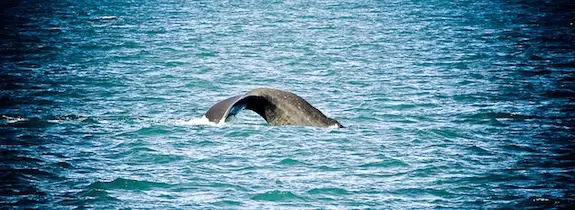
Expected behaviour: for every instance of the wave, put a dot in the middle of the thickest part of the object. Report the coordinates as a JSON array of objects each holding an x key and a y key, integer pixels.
[{"x": 10, "y": 119}]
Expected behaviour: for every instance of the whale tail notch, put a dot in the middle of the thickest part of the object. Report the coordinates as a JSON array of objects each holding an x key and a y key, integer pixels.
[{"x": 231, "y": 106}]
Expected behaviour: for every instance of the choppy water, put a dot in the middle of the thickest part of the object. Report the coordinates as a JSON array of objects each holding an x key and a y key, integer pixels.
[{"x": 447, "y": 104}]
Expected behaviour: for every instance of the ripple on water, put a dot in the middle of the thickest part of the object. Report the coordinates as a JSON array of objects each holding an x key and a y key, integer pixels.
[
  {"x": 156, "y": 157},
  {"x": 291, "y": 162},
  {"x": 492, "y": 118},
  {"x": 277, "y": 195},
  {"x": 89, "y": 197},
  {"x": 127, "y": 184},
  {"x": 477, "y": 150},
  {"x": 227, "y": 203},
  {"x": 418, "y": 192},
  {"x": 197, "y": 184},
  {"x": 389, "y": 163},
  {"x": 97, "y": 195}
]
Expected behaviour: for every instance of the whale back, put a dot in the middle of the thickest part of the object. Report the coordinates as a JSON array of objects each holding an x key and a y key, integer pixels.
[{"x": 286, "y": 108}]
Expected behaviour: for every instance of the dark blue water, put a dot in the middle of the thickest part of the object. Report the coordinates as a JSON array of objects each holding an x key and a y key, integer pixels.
[{"x": 447, "y": 104}]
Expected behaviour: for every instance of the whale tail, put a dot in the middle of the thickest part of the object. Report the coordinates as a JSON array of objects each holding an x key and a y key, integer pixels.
[
  {"x": 231, "y": 106},
  {"x": 277, "y": 107}
]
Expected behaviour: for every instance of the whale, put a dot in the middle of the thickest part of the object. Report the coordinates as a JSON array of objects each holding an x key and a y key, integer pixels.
[{"x": 277, "y": 107}]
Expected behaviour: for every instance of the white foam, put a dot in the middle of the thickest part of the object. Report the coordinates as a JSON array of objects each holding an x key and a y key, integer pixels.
[
  {"x": 199, "y": 121},
  {"x": 107, "y": 17},
  {"x": 67, "y": 119},
  {"x": 333, "y": 126},
  {"x": 14, "y": 119}
]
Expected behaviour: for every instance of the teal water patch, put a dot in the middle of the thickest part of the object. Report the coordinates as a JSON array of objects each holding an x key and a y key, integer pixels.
[
  {"x": 151, "y": 131},
  {"x": 290, "y": 162},
  {"x": 329, "y": 191}
]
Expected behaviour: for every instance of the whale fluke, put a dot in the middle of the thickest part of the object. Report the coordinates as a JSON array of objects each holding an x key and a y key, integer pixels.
[{"x": 277, "y": 107}]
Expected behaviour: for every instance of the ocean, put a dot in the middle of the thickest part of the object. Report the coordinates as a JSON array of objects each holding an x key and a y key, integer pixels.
[{"x": 446, "y": 104}]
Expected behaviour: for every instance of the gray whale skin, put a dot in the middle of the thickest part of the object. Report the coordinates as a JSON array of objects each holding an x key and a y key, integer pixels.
[{"x": 277, "y": 107}]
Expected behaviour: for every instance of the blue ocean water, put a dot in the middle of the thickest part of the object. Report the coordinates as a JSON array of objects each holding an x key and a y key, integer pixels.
[{"x": 447, "y": 104}]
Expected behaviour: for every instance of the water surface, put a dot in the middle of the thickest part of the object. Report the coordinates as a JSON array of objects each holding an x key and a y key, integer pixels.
[{"x": 465, "y": 104}]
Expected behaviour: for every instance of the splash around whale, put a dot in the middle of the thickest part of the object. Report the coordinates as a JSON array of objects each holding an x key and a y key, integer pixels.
[{"x": 277, "y": 107}]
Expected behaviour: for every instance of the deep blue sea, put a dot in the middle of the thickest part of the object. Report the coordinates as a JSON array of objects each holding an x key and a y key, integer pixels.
[{"x": 447, "y": 104}]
